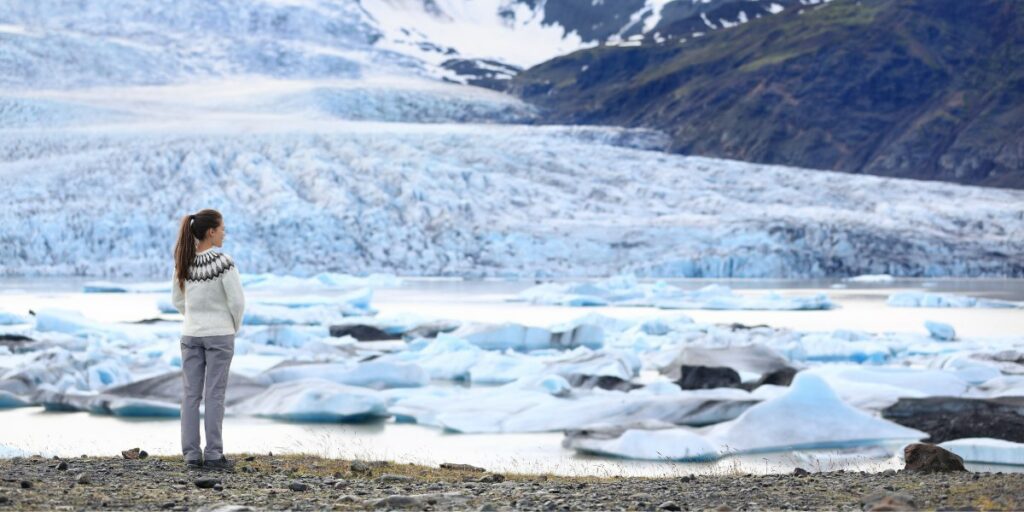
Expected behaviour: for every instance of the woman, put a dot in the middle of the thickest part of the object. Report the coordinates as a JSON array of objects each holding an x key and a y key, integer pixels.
[{"x": 206, "y": 288}]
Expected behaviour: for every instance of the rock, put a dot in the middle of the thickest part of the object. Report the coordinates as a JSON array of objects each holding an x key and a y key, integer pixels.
[
  {"x": 390, "y": 479},
  {"x": 430, "y": 330},
  {"x": 948, "y": 418},
  {"x": 25, "y": 484},
  {"x": 780, "y": 377},
  {"x": 800, "y": 472},
  {"x": 362, "y": 332},
  {"x": 940, "y": 331},
  {"x": 669, "y": 505},
  {"x": 143, "y": 454},
  {"x": 83, "y": 479},
  {"x": 493, "y": 478},
  {"x": 707, "y": 377},
  {"x": 298, "y": 486},
  {"x": 206, "y": 482},
  {"x": 461, "y": 467},
  {"x": 928, "y": 458},
  {"x": 723, "y": 508},
  {"x": 218, "y": 487},
  {"x": 4, "y": 500},
  {"x": 167, "y": 505},
  {"x": 608, "y": 382},
  {"x": 886, "y": 501},
  {"x": 62, "y": 466},
  {"x": 224, "y": 507},
  {"x": 132, "y": 454},
  {"x": 359, "y": 467},
  {"x": 393, "y": 502}
]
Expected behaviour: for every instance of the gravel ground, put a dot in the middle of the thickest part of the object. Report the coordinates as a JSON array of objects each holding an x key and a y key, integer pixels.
[{"x": 313, "y": 483}]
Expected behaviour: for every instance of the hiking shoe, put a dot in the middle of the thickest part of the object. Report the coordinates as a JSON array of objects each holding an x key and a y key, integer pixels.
[
  {"x": 193, "y": 464},
  {"x": 221, "y": 463}
]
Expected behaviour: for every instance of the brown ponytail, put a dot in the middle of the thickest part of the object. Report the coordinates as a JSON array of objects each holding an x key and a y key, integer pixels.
[{"x": 193, "y": 229}]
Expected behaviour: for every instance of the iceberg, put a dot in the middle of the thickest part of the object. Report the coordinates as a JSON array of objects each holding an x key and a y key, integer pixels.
[
  {"x": 810, "y": 415},
  {"x": 940, "y": 331},
  {"x": 320, "y": 281},
  {"x": 370, "y": 374},
  {"x": 9, "y": 318},
  {"x": 986, "y": 450},
  {"x": 532, "y": 405},
  {"x": 111, "y": 287},
  {"x": 870, "y": 278},
  {"x": 678, "y": 444},
  {"x": 875, "y": 388},
  {"x": 314, "y": 400},
  {"x": 10, "y": 400},
  {"x": 526, "y": 338},
  {"x": 945, "y": 300},
  {"x": 445, "y": 357},
  {"x": 626, "y": 291}
]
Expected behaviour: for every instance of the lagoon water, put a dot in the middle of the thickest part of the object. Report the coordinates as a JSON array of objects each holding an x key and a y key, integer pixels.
[{"x": 862, "y": 307}]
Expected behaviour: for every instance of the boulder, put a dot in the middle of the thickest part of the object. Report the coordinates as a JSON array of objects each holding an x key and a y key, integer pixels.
[
  {"x": 929, "y": 458},
  {"x": 948, "y": 418},
  {"x": 707, "y": 377}
]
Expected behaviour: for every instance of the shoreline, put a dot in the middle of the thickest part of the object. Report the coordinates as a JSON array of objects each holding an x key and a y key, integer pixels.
[{"x": 308, "y": 482}]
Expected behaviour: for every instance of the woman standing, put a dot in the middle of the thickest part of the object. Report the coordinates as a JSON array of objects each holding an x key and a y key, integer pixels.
[{"x": 208, "y": 291}]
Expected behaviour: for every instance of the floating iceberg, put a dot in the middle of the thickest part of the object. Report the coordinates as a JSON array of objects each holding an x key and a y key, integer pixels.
[
  {"x": 870, "y": 278},
  {"x": 10, "y": 400},
  {"x": 877, "y": 387},
  {"x": 111, "y": 287},
  {"x": 530, "y": 405},
  {"x": 8, "y": 318},
  {"x": 321, "y": 281},
  {"x": 371, "y": 374},
  {"x": 526, "y": 338},
  {"x": 940, "y": 331},
  {"x": 987, "y": 450},
  {"x": 945, "y": 300},
  {"x": 626, "y": 291},
  {"x": 314, "y": 400},
  {"x": 677, "y": 444},
  {"x": 810, "y": 415}
]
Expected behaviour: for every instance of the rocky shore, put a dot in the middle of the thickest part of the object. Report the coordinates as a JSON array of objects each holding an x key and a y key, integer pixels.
[{"x": 313, "y": 483}]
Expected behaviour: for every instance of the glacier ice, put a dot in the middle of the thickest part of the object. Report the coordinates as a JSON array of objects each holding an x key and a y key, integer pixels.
[
  {"x": 370, "y": 374},
  {"x": 808, "y": 416},
  {"x": 626, "y": 291},
  {"x": 940, "y": 330},
  {"x": 987, "y": 450},
  {"x": 314, "y": 400},
  {"x": 652, "y": 444},
  {"x": 945, "y": 300}
]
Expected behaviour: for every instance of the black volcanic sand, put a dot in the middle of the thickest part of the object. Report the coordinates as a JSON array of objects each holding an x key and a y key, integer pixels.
[{"x": 301, "y": 482}]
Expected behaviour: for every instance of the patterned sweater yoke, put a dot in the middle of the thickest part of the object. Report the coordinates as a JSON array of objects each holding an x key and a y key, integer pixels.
[
  {"x": 212, "y": 302},
  {"x": 209, "y": 266}
]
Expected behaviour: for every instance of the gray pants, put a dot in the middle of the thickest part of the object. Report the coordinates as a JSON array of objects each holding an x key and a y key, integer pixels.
[{"x": 204, "y": 358}]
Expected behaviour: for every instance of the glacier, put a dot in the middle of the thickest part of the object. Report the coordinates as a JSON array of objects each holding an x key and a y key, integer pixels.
[{"x": 462, "y": 200}]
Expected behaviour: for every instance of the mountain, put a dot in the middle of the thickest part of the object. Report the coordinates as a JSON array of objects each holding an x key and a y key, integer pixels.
[
  {"x": 487, "y": 42},
  {"x": 924, "y": 89}
]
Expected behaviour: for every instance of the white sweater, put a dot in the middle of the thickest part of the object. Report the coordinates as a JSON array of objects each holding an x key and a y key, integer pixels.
[{"x": 212, "y": 302}]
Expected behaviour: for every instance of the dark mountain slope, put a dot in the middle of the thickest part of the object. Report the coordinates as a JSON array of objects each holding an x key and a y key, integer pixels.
[{"x": 927, "y": 89}]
